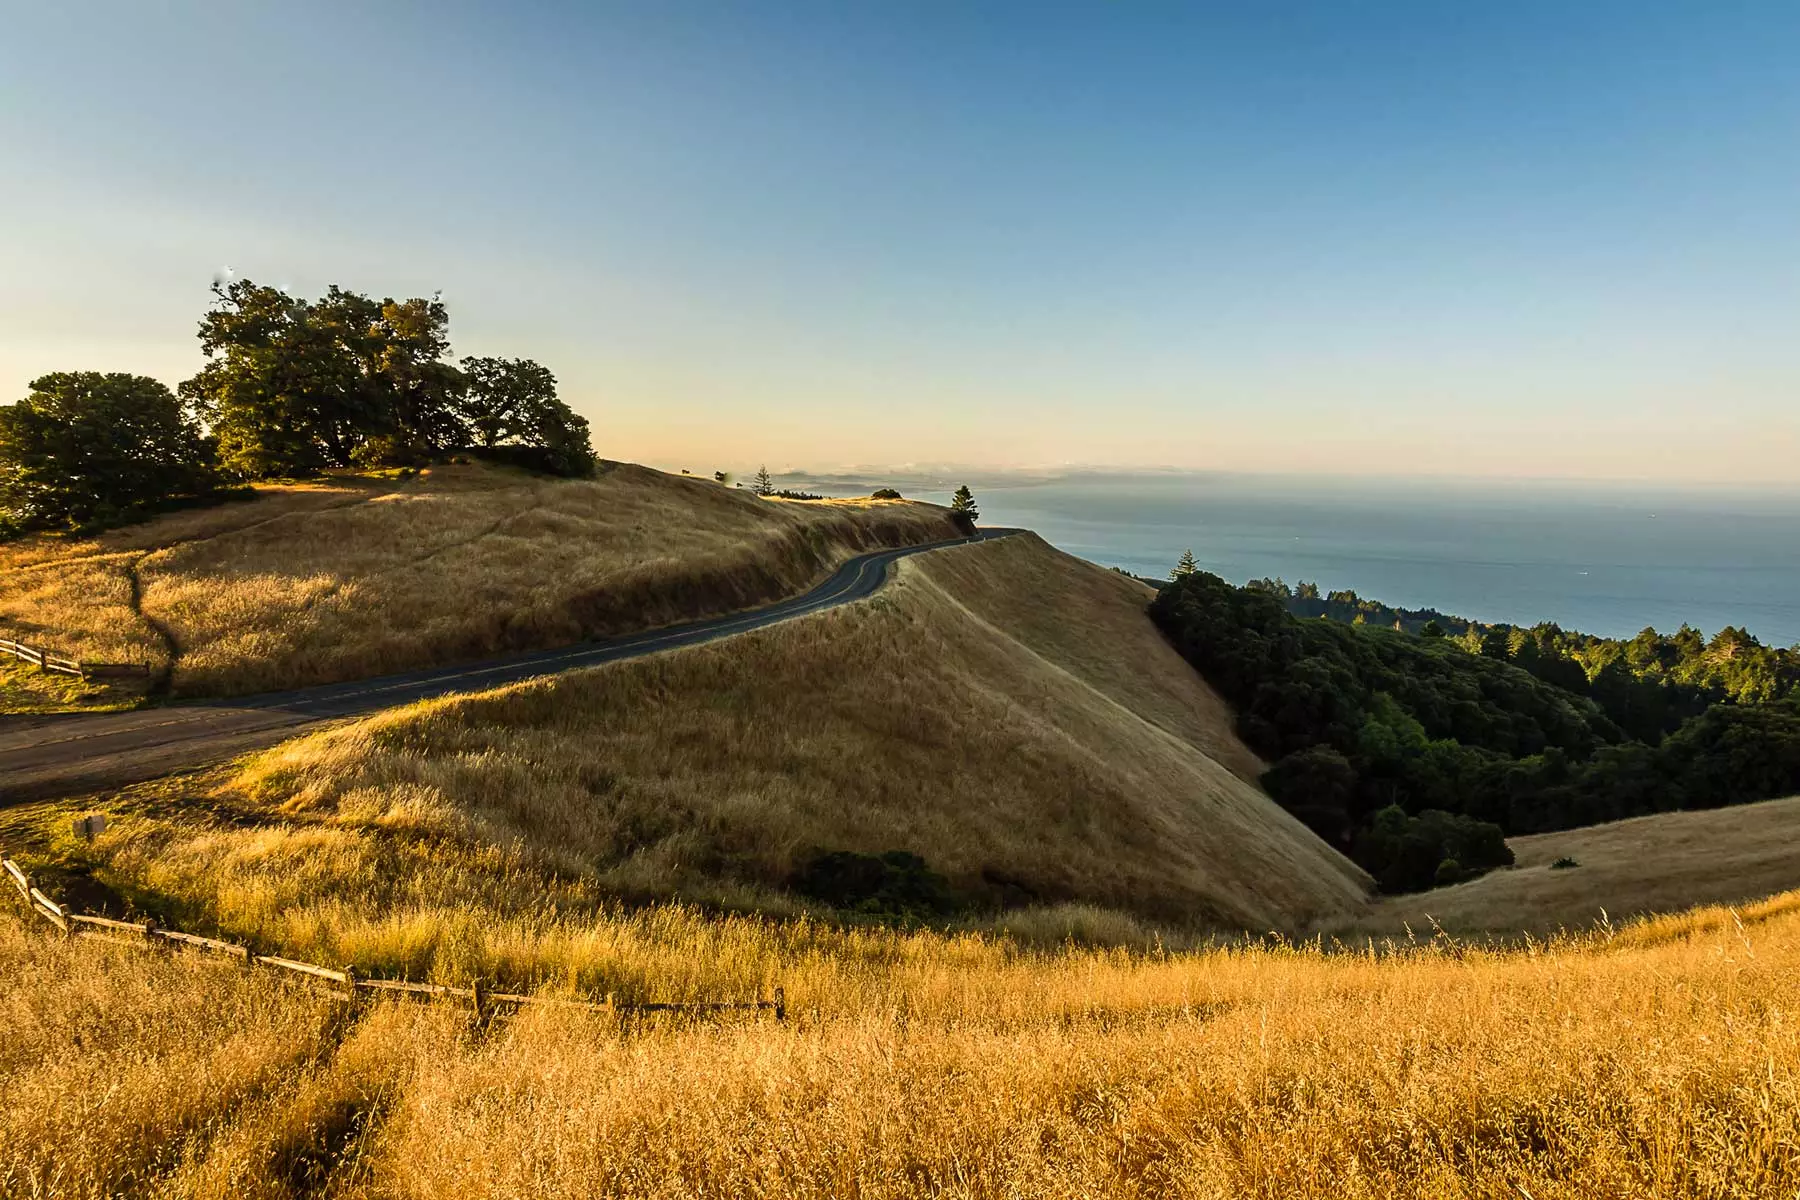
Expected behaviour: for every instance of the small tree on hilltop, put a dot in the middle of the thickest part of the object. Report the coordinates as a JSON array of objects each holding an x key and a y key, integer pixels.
[
  {"x": 763, "y": 484},
  {"x": 963, "y": 505},
  {"x": 1185, "y": 566}
]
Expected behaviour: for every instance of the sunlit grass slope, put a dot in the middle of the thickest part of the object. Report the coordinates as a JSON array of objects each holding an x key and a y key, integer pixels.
[
  {"x": 1005, "y": 749},
  {"x": 357, "y": 576},
  {"x": 497, "y": 832},
  {"x": 1665, "y": 1065},
  {"x": 1657, "y": 864}
]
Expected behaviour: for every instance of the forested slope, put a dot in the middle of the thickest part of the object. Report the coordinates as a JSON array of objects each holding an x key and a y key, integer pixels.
[{"x": 1419, "y": 755}]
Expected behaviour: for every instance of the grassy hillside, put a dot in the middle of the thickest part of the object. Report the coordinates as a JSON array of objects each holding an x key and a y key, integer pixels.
[
  {"x": 357, "y": 576},
  {"x": 493, "y": 830},
  {"x": 1658, "y": 864},
  {"x": 1659, "y": 1063}
]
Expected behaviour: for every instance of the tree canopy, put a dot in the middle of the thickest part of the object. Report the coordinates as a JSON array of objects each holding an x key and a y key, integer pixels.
[
  {"x": 86, "y": 447},
  {"x": 512, "y": 402},
  {"x": 1469, "y": 740},
  {"x": 290, "y": 387},
  {"x": 293, "y": 386}
]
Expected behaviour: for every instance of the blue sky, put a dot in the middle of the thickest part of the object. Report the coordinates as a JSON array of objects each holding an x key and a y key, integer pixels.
[{"x": 1510, "y": 240}]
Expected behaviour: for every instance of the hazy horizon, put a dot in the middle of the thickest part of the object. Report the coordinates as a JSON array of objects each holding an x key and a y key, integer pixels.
[{"x": 1407, "y": 241}]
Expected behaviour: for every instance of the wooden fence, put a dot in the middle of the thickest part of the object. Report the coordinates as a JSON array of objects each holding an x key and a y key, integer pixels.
[
  {"x": 345, "y": 983},
  {"x": 43, "y": 660}
]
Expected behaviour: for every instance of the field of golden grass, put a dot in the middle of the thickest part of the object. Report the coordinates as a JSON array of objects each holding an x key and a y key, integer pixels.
[
  {"x": 358, "y": 576},
  {"x": 1658, "y": 864},
  {"x": 627, "y": 829},
  {"x": 1660, "y": 1062},
  {"x": 490, "y": 831}
]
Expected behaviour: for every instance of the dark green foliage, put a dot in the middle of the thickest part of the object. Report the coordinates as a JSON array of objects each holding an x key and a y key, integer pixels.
[
  {"x": 1319, "y": 786},
  {"x": 1408, "y": 854},
  {"x": 87, "y": 448},
  {"x": 1564, "y": 863},
  {"x": 292, "y": 387},
  {"x": 1360, "y": 721},
  {"x": 896, "y": 885},
  {"x": 963, "y": 510},
  {"x": 763, "y": 484},
  {"x": 885, "y": 494},
  {"x": 1647, "y": 685},
  {"x": 510, "y": 404}
]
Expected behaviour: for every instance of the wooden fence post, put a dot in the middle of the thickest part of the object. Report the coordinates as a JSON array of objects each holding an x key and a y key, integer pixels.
[
  {"x": 350, "y": 985},
  {"x": 20, "y": 880},
  {"x": 780, "y": 1003},
  {"x": 481, "y": 1000}
]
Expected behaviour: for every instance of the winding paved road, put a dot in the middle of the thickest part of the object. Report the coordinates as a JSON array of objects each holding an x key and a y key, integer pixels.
[{"x": 76, "y": 752}]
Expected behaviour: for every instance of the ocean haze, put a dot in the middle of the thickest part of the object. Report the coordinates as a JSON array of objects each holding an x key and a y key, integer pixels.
[{"x": 1600, "y": 559}]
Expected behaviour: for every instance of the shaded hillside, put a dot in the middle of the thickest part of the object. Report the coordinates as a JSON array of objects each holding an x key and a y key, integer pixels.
[{"x": 358, "y": 576}]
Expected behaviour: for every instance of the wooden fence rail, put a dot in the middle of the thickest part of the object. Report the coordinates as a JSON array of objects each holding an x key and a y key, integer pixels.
[
  {"x": 345, "y": 982},
  {"x": 43, "y": 660}
]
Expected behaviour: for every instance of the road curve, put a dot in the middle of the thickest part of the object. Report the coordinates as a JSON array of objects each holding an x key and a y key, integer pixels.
[{"x": 76, "y": 752}]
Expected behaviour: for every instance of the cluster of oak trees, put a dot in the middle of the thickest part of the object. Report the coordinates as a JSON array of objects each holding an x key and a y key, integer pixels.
[
  {"x": 1420, "y": 755},
  {"x": 290, "y": 387}
]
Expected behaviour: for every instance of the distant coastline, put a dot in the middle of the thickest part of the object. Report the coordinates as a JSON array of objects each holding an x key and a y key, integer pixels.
[{"x": 1608, "y": 560}]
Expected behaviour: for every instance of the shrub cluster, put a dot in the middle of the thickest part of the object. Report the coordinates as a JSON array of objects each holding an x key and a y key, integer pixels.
[{"x": 896, "y": 885}]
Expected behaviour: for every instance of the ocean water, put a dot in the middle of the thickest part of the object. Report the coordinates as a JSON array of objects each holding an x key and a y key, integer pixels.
[{"x": 1604, "y": 560}]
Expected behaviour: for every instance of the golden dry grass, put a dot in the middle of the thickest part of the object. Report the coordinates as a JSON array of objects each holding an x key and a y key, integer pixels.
[
  {"x": 1657, "y": 864},
  {"x": 920, "y": 1064},
  {"x": 358, "y": 576},
  {"x": 707, "y": 774},
  {"x": 489, "y": 836}
]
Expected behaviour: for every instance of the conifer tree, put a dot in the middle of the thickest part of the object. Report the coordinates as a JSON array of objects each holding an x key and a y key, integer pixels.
[
  {"x": 1185, "y": 567},
  {"x": 963, "y": 504},
  {"x": 764, "y": 485}
]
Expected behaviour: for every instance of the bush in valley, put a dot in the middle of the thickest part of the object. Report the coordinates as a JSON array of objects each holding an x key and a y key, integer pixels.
[
  {"x": 1361, "y": 722},
  {"x": 1564, "y": 863},
  {"x": 85, "y": 449},
  {"x": 896, "y": 885},
  {"x": 1407, "y": 853}
]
